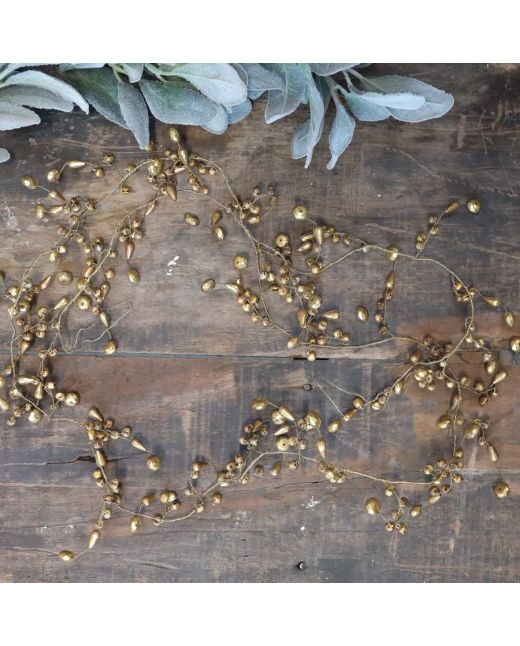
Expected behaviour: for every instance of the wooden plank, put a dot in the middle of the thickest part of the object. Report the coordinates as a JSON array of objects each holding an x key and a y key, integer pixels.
[
  {"x": 195, "y": 407},
  {"x": 189, "y": 366},
  {"x": 392, "y": 177}
]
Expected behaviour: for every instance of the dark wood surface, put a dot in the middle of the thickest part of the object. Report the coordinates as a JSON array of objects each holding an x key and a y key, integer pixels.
[{"x": 189, "y": 363}]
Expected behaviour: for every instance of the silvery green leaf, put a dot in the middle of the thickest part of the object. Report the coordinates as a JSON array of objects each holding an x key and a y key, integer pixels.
[
  {"x": 218, "y": 81},
  {"x": 363, "y": 110},
  {"x": 308, "y": 134},
  {"x": 218, "y": 125},
  {"x": 327, "y": 69},
  {"x": 9, "y": 68},
  {"x": 134, "y": 71},
  {"x": 400, "y": 100},
  {"x": 134, "y": 111},
  {"x": 259, "y": 80},
  {"x": 175, "y": 103},
  {"x": 437, "y": 102},
  {"x": 238, "y": 112},
  {"x": 99, "y": 87},
  {"x": 239, "y": 69},
  {"x": 281, "y": 103},
  {"x": 340, "y": 134},
  {"x": 66, "y": 67},
  {"x": 4, "y": 155},
  {"x": 34, "y": 97},
  {"x": 34, "y": 78},
  {"x": 15, "y": 116}
]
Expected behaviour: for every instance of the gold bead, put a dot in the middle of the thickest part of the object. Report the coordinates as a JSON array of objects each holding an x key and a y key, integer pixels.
[
  {"x": 76, "y": 164},
  {"x": 216, "y": 498},
  {"x": 471, "y": 431},
  {"x": 300, "y": 212},
  {"x": 392, "y": 253},
  {"x": 93, "y": 539},
  {"x": 53, "y": 176},
  {"x": 282, "y": 240},
  {"x": 362, "y": 313},
  {"x": 72, "y": 399},
  {"x": 173, "y": 133},
  {"x": 334, "y": 426},
  {"x": 282, "y": 443},
  {"x": 133, "y": 276},
  {"x": 501, "y": 489},
  {"x": 135, "y": 523},
  {"x": 415, "y": 511},
  {"x": 64, "y": 277},
  {"x": 514, "y": 343},
  {"x": 240, "y": 262},
  {"x": 67, "y": 555},
  {"x": 35, "y": 416},
  {"x": 473, "y": 206},
  {"x": 322, "y": 447},
  {"x": 154, "y": 463},
  {"x": 137, "y": 444},
  {"x": 373, "y": 506},
  {"x": 492, "y": 453},
  {"x": 208, "y": 285},
  {"x": 83, "y": 302},
  {"x": 191, "y": 219},
  {"x": 110, "y": 346},
  {"x": 29, "y": 182},
  {"x": 259, "y": 403}
]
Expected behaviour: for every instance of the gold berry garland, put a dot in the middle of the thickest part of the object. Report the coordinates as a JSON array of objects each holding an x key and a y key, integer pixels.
[{"x": 289, "y": 269}]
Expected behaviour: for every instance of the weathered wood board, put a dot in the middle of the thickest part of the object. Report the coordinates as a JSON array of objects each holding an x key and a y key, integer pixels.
[{"x": 190, "y": 363}]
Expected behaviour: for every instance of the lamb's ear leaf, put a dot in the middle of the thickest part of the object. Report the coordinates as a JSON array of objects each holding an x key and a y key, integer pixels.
[
  {"x": 364, "y": 110},
  {"x": 34, "y": 97},
  {"x": 327, "y": 69},
  {"x": 35, "y": 78},
  {"x": 135, "y": 112},
  {"x": 175, "y": 103},
  {"x": 134, "y": 71},
  {"x": 340, "y": 134},
  {"x": 281, "y": 103},
  {"x": 4, "y": 155},
  {"x": 219, "y": 123},
  {"x": 218, "y": 81},
  {"x": 260, "y": 80},
  {"x": 238, "y": 112},
  {"x": 437, "y": 102},
  {"x": 14, "y": 116},
  {"x": 99, "y": 87}
]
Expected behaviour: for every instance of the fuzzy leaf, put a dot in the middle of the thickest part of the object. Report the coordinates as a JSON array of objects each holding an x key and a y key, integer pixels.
[
  {"x": 134, "y": 71},
  {"x": 327, "y": 69},
  {"x": 281, "y": 103},
  {"x": 99, "y": 87},
  {"x": 259, "y": 80},
  {"x": 218, "y": 125},
  {"x": 239, "y": 69},
  {"x": 175, "y": 103},
  {"x": 436, "y": 104},
  {"x": 340, "y": 134},
  {"x": 218, "y": 81},
  {"x": 15, "y": 116},
  {"x": 400, "y": 100},
  {"x": 34, "y": 97},
  {"x": 9, "y": 68},
  {"x": 4, "y": 155},
  {"x": 238, "y": 112},
  {"x": 134, "y": 111},
  {"x": 309, "y": 133},
  {"x": 363, "y": 110},
  {"x": 66, "y": 67},
  {"x": 35, "y": 78}
]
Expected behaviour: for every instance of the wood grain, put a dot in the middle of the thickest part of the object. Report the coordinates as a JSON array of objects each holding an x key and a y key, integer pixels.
[{"x": 187, "y": 371}]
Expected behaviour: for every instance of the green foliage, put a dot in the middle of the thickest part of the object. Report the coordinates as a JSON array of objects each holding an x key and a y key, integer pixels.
[{"x": 215, "y": 95}]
